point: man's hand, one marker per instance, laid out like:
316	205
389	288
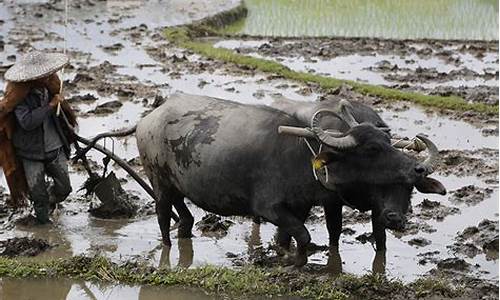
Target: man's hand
55	100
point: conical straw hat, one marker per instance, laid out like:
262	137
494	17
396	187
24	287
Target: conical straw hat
35	65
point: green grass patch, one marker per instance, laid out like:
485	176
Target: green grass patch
185	37
236	283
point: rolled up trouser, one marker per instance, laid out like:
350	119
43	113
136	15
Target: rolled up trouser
40	193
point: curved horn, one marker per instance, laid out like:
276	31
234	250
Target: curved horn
414	144
431	161
346	109
335	140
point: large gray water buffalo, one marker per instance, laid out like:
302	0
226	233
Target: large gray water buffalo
229	158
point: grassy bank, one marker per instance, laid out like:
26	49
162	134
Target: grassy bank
186	37
236	283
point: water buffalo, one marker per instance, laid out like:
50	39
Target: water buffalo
388	202
228	158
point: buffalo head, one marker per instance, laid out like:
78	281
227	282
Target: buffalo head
366	169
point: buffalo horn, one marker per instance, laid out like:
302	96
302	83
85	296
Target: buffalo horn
431	161
334	140
345	108
415	144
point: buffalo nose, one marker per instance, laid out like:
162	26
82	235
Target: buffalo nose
420	169
393	217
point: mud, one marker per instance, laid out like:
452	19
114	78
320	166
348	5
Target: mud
476	239
461	68
23	247
428	210
113	86
470	195
481	163
213	226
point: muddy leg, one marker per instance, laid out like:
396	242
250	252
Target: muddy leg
186	252
163	211
37	189
334	264
283	218
283	240
186	219
378	266
333	216
378	233
58	170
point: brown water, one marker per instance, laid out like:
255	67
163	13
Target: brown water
75	232
18	289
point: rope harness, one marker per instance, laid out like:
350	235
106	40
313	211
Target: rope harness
326	172
314	156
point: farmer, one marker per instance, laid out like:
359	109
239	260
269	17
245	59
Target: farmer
34	141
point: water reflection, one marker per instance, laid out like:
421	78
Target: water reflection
36	289
29	289
186	254
334	264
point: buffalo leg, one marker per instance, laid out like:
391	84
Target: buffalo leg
378	233
163	210
378	266
186	219
283	239
333	215
283	218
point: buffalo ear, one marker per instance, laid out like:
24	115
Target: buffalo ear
428	185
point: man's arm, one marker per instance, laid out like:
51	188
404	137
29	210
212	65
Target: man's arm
30	119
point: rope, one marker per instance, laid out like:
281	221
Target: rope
314	155
58	112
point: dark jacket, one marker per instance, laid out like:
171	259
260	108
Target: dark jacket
28	137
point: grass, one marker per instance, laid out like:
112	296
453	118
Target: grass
186	37
236	283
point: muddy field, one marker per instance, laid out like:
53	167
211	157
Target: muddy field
122	68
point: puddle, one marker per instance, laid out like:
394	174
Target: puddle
71	290
389	19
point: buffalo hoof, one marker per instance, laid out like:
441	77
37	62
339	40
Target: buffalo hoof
300	260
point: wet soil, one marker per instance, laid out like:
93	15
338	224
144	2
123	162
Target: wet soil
23	247
112	86
213	226
468	69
